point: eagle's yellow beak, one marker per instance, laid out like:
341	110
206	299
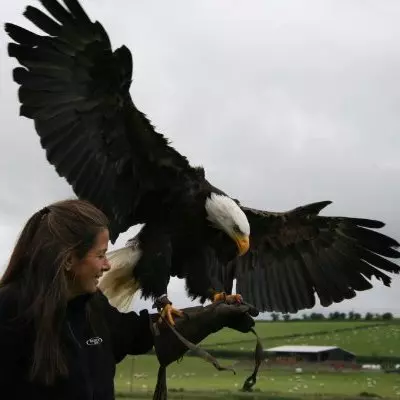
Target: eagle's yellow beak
243	244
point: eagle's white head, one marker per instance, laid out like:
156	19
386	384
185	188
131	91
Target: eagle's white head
226	215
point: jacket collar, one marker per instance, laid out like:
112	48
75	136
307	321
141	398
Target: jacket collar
79	301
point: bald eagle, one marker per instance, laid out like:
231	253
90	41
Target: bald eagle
76	90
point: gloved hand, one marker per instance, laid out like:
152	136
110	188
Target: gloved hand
171	343
196	324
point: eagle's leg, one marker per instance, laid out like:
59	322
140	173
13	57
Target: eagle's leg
153	270
228	298
164	307
199	283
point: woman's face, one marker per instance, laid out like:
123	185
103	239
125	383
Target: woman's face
87	271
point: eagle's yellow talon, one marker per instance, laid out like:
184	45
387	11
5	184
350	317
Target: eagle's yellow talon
230	298
220	296
167	313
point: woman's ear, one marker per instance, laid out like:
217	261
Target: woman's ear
71	261
68	265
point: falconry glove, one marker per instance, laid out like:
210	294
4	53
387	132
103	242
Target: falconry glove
171	343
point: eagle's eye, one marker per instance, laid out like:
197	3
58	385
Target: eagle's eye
236	229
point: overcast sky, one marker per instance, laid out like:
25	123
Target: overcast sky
282	102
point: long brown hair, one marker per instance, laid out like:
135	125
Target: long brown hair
38	266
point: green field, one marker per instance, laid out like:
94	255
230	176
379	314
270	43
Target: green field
194	377
373	340
273	330
193	374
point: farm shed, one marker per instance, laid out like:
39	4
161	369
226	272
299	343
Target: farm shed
310	353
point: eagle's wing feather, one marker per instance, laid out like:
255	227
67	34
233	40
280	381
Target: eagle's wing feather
76	89
297	254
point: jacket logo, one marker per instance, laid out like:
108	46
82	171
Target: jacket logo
94	341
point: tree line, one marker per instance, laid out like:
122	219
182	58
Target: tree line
335	316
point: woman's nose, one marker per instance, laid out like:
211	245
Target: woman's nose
107	265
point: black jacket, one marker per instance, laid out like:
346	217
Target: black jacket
94	343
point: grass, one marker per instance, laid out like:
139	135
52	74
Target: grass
193	374
382	340
376	341
194	379
236	396
210	396
273	330
243	396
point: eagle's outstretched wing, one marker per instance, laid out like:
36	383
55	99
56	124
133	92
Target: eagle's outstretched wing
76	89
298	253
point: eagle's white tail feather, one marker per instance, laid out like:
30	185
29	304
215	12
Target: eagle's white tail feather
118	284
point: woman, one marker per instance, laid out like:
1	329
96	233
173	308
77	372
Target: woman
59	336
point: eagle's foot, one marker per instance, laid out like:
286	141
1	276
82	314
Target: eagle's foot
164	307
227	298
167	313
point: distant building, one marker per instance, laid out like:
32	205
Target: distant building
310	353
